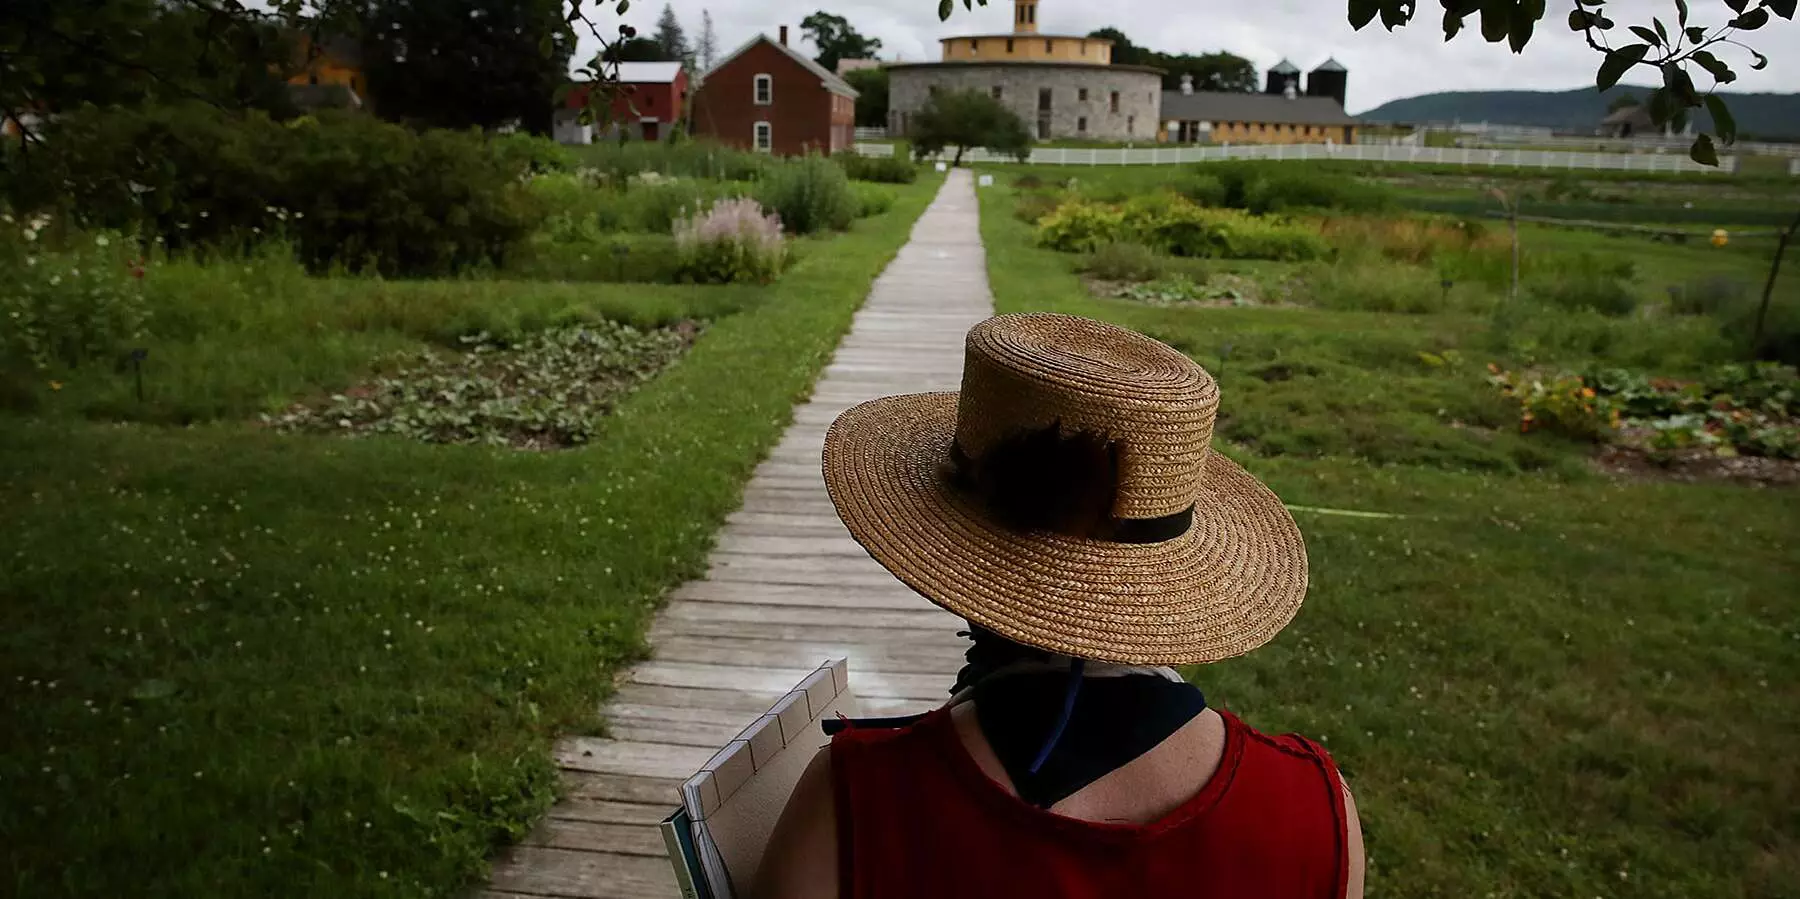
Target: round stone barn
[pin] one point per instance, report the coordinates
(1061, 86)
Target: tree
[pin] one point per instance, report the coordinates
(58, 55)
(671, 39)
(1124, 52)
(471, 63)
(708, 47)
(1220, 71)
(1673, 52)
(965, 119)
(1623, 101)
(634, 49)
(837, 40)
(871, 96)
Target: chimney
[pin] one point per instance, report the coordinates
(1187, 83)
(784, 35)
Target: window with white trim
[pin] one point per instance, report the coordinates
(764, 90)
(763, 138)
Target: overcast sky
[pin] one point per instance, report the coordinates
(1414, 60)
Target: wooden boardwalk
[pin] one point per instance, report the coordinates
(787, 588)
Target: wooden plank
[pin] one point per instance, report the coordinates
(828, 596)
(751, 613)
(625, 757)
(758, 653)
(749, 575)
(745, 705)
(594, 836)
(667, 628)
(544, 871)
(607, 812)
(777, 681)
(705, 736)
(585, 787)
(839, 544)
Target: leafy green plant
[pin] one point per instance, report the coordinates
(612, 162)
(1125, 261)
(1598, 290)
(1377, 287)
(1031, 208)
(882, 169)
(810, 195)
(533, 153)
(548, 390)
(1562, 404)
(349, 190)
(871, 199)
(70, 307)
(1078, 226)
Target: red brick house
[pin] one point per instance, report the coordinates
(769, 97)
(648, 102)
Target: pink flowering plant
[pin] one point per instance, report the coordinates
(731, 241)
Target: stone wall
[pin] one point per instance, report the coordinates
(1137, 118)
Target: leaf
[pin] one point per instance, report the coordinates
(944, 7)
(1590, 2)
(1751, 20)
(1723, 123)
(1525, 15)
(1696, 34)
(1782, 8)
(1496, 19)
(1714, 66)
(1394, 13)
(1703, 151)
(1681, 10)
(624, 6)
(1362, 12)
(1737, 5)
(1762, 62)
(1679, 85)
(1647, 35)
(1617, 62)
(1661, 32)
(1580, 19)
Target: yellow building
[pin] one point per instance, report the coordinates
(1024, 44)
(330, 74)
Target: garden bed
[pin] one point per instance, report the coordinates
(548, 390)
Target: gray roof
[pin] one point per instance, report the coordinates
(1331, 65)
(1274, 109)
(1285, 68)
(831, 82)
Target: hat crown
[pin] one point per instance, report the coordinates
(1028, 373)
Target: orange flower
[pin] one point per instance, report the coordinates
(1587, 392)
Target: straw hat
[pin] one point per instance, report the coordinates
(1066, 499)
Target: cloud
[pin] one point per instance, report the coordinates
(1383, 66)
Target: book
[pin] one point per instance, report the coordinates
(729, 807)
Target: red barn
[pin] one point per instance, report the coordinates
(769, 97)
(648, 103)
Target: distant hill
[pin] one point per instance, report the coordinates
(1765, 116)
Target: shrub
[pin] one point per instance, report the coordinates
(1710, 295)
(1416, 240)
(809, 195)
(79, 305)
(349, 190)
(613, 162)
(1031, 208)
(1598, 290)
(1125, 262)
(1207, 190)
(1028, 182)
(1277, 187)
(731, 241)
(533, 153)
(1078, 226)
(1378, 287)
(882, 169)
(614, 258)
(871, 199)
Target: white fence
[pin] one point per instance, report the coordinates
(1535, 159)
(1794, 167)
(1645, 144)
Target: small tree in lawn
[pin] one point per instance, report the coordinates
(965, 119)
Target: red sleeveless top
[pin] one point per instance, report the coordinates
(918, 817)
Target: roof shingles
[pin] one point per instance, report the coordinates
(1273, 109)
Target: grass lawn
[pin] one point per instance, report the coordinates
(1539, 681)
(241, 663)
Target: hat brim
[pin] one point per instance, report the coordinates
(1226, 586)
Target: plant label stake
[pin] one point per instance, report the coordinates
(137, 369)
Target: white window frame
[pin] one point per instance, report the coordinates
(762, 137)
(762, 89)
